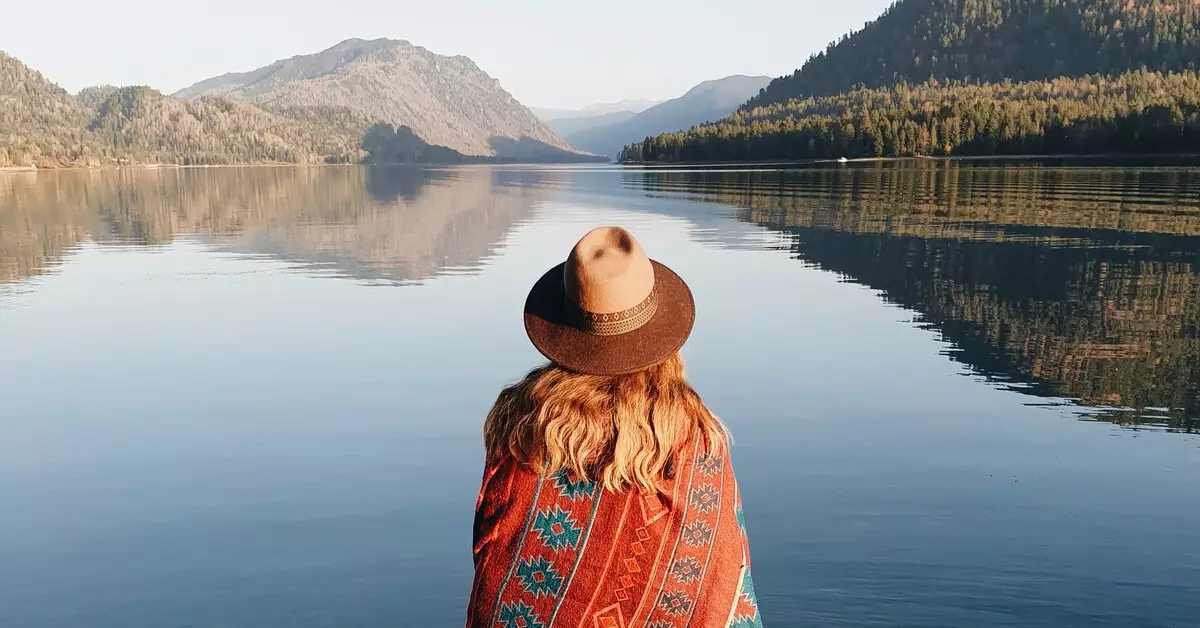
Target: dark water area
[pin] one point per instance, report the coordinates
(962, 394)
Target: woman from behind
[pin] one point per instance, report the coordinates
(608, 498)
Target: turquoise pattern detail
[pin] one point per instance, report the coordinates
(747, 591)
(573, 490)
(746, 594)
(519, 615)
(557, 529)
(539, 577)
(746, 622)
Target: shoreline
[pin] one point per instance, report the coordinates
(942, 158)
(1182, 157)
(16, 169)
(8, 169)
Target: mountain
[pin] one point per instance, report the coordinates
(975, 77)
(92, 97)
(143, 125)
(710, 100)
(566, 122)
(446, 101)
(1134, 113)
(44, 126)
(571, 126)
(41, 125)
(997, 40)
(39, 121)
(385, 144)
(631, 105)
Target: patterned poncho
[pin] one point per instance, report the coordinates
(551, 552)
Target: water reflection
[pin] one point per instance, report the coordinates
(1071, 283)
(192, 440)
(397, 225)
(1062, 282)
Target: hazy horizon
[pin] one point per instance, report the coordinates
(535, 49)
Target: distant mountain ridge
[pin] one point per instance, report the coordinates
(631, 105)
(708, 101)
(572, 126)
(447, 101)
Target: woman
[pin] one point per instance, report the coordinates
(608, 499)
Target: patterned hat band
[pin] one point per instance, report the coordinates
(617, 323)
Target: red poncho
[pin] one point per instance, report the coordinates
(552, 553)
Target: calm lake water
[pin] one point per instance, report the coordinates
(962, 394)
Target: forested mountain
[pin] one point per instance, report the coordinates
(142, 125)
(997, 40)
(710, 100)
(447, 101)
(40, 123)
(975, 77)
(92, 97)
(1138, 112)
(385, 144)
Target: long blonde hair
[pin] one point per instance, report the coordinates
(624, 431)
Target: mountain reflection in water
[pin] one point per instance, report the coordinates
(389, 224)
(252, 396)
(1081, 283)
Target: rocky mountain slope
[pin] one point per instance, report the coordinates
(448, 101)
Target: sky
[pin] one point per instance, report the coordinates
(562, 54)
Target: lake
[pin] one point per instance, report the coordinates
(962, 394)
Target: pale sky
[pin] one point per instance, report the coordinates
(564, 53)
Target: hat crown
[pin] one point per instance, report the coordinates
(608, 272)
(609, 309)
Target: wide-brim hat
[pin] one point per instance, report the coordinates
(609, 309)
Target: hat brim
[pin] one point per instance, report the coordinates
(548, 324)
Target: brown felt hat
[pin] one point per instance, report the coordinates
(609, 309)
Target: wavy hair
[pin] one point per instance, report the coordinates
(624, 431)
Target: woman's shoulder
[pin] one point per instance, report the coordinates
(505, 479)
(708, 460)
